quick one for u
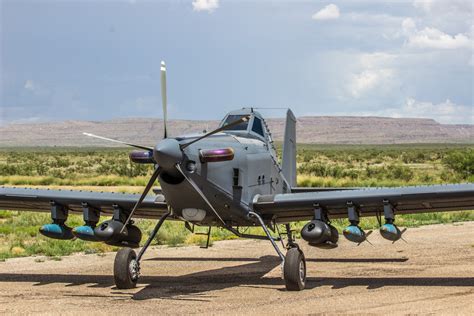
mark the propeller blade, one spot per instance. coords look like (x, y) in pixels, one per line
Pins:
(150, 183)
(244, 118)
(118, 141)
(198, 191)
(163, 97)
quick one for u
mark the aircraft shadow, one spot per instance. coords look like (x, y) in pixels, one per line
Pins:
(341, 260)
(378, 282)
(357, 260)
(197, 286)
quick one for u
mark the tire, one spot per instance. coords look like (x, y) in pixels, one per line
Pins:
(294, 270)
(126, 269)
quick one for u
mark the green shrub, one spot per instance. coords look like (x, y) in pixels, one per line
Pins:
(461, 162)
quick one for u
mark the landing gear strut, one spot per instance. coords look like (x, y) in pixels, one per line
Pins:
(127, 263)
(294, 264)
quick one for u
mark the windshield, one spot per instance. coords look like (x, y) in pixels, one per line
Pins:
(239, 127)
(257, 126)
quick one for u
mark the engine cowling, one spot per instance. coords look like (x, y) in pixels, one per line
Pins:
(320, 234)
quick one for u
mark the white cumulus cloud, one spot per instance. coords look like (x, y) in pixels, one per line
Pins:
(368, 80)
(431, 37)
(205, 5)
(329, 12)
(375, 72)
(434, 38)
(408, 26)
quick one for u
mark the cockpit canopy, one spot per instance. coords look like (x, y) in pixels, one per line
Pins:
(232, 118)
(253, 127)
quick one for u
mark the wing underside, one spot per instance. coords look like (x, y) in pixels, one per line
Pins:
(39, 200)
(281, 207)
(405, 200)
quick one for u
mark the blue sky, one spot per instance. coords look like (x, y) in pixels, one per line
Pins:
(99, 60)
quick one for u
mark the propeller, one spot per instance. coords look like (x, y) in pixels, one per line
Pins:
(168, 153)
(119, 141)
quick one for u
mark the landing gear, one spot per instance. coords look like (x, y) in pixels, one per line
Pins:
(127, 262)
(294, 264)
(126, 269)
(294, 267)
(294, 270)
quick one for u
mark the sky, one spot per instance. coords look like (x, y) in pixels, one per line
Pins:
(100, 60)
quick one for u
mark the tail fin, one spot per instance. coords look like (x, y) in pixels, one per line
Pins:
(289, 149)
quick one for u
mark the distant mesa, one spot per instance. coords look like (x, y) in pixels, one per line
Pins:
(310, 129)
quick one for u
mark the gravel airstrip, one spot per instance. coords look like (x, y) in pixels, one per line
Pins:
(432, 273)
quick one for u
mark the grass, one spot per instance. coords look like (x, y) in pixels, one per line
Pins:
(19, 236)
(318, 165)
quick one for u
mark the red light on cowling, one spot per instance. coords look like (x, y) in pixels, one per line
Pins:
(215, 155)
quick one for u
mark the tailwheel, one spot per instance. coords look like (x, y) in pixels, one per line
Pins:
(126, 269)
(294, 270)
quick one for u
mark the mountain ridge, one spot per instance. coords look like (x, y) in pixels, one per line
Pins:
(310, 129)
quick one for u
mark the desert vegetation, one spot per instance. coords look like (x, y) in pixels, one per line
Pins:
(318, 165)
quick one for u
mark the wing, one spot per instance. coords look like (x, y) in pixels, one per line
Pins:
(39, 200)
(405, 200)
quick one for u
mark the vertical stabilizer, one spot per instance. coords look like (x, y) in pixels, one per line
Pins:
(289, 149)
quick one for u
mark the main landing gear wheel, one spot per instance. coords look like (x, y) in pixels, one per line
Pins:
(294, 270)
(126, 269)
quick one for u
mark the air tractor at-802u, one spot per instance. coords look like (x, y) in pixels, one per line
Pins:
(230, 178)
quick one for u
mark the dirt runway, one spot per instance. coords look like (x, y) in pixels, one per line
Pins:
(432, 273)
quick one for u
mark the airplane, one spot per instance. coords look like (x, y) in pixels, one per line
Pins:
(230, 178)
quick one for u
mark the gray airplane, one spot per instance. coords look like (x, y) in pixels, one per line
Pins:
(230, 178)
